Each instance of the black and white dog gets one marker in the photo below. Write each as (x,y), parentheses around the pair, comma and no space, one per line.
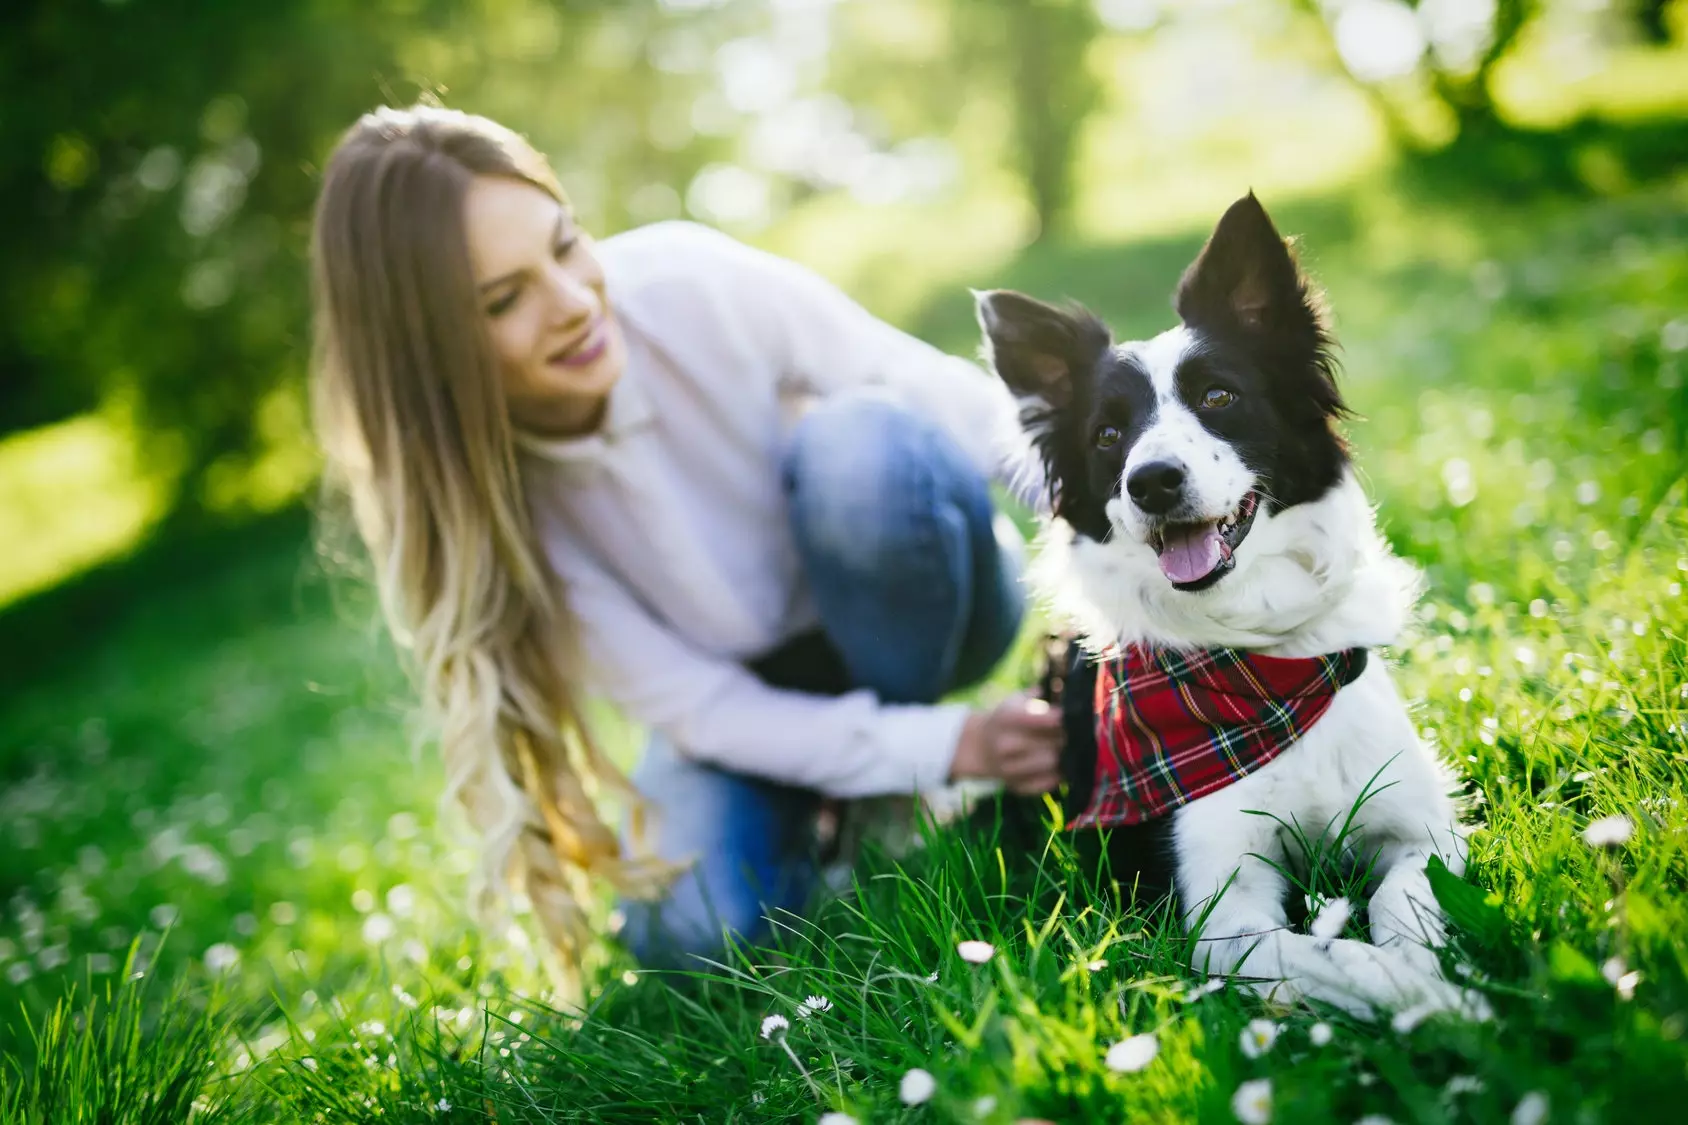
(1202,501)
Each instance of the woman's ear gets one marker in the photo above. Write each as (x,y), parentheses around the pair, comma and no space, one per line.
(1039,350)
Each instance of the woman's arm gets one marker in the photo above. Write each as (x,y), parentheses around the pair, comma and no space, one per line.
(846,746)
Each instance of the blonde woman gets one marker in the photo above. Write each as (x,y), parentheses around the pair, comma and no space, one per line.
(673,472)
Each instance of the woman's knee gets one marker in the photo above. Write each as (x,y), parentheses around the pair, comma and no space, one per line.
(865,476)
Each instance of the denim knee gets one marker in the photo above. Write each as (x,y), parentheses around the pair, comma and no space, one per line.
(859,475)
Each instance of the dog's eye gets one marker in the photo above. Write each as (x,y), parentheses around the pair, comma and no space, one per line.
(1216,398)
(1107,437)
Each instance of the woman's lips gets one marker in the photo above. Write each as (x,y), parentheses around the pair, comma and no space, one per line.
(587,351)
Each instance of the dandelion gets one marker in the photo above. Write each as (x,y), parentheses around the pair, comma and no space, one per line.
(1252,1103)
(773,1023)
(976,952)
(1531,1109)
(812,1006)
(916,1087)
(1319,1034)
(1608,832)
(1131,1055)
(1257,1038)
(1330,920)
(836,1118)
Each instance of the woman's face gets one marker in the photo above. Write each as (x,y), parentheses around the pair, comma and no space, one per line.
(541,290)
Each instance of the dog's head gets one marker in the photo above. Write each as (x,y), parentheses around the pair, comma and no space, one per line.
(1173,448)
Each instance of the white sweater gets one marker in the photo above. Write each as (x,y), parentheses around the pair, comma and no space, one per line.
(669,528)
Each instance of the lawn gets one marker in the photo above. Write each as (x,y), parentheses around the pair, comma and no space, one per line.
(214,821)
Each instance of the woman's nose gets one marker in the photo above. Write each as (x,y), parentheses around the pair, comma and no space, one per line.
(571,297)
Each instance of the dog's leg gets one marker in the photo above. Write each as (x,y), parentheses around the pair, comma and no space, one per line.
(1403,910)
(1238,904)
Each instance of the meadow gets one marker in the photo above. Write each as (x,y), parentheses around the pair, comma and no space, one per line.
(229,894)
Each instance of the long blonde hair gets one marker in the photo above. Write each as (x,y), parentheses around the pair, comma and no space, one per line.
(411,414)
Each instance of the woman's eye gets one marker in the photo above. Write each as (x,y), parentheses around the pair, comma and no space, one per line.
(1107,437)
(503,304)
(1215,398)
(564,249)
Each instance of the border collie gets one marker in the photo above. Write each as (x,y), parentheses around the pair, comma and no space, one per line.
(1205,522)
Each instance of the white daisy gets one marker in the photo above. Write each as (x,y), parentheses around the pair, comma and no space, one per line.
(813,1005)
(984,1105)
(917,1086)
(443,1106)
(1608,832)
(1133,1054)
(976,952)
(1331,918)
(773,1023)
(1374,1119)
(1257,1038)
(1252,1103)
(1531,1109)
(836,1118)
(1319,1034)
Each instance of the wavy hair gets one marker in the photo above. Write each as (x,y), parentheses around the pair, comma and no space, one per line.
(410,411)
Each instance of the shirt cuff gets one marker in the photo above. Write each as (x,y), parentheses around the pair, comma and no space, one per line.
(918,742)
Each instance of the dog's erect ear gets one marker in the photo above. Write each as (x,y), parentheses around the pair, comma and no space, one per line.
(1245,277)
(1039,350)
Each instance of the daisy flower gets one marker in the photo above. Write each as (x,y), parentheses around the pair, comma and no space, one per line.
(1257,1038)
(774,1023)
(1252,1103)
(1131,1055)
(1531,1109)
(976,952)
(813,1005)
(916,1087)
(1319,1034)
(1608,832)
(836,1118)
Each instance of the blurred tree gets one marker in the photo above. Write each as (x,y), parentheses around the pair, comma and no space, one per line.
(1053,91)
(158,166)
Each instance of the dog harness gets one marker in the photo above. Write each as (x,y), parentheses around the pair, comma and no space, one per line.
(1174,725)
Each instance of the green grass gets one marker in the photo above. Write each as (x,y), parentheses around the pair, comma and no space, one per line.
(232,765)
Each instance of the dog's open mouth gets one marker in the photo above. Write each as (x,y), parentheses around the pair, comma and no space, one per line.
(1196,555)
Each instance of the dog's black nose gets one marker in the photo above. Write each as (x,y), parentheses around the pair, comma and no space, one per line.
(1156,487)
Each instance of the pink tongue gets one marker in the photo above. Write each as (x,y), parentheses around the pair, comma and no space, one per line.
(1190,553)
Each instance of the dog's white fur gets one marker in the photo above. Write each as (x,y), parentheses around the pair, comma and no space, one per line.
(1314,578)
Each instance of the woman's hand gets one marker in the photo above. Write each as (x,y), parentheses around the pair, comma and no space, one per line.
(1018,741)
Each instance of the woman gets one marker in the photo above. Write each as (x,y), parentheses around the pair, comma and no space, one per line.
(672,471)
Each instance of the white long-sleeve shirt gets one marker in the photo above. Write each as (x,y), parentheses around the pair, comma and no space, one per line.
(669,526)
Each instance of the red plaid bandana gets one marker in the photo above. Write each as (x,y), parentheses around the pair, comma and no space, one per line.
(1174,725)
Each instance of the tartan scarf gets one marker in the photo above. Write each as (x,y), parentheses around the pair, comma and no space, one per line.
(1172,725)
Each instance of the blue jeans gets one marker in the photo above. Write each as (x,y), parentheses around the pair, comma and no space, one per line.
(897,536)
